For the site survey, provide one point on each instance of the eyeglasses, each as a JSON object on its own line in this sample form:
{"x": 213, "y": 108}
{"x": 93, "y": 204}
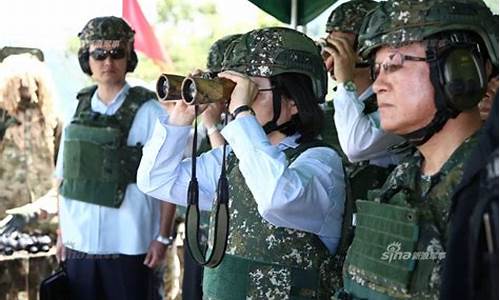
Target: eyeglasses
{"x": 392, "y": 63}
{"x": 266, "y": 89}
{"x": 102, "y": 54}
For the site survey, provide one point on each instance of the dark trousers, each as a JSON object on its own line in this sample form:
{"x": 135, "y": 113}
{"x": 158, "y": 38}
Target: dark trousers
{"x": 193, "y": 277}
{"x": 109, "y": 277}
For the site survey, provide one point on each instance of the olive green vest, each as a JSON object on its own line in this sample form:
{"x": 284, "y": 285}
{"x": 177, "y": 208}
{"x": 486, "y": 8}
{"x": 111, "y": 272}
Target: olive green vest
{"x": 98, "y": 164}
{"x": 359, "y": 178}
{"x": 263, "y": 261}
{"x": 401, "y": 232}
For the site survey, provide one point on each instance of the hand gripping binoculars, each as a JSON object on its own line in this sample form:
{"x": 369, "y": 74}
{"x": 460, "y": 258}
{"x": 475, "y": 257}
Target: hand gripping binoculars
{"x": 193, "y": 89}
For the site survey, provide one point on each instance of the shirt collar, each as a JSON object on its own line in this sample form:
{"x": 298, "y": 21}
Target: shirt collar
{"x": 289, "y": 142}
{"x": 114, "y": 105}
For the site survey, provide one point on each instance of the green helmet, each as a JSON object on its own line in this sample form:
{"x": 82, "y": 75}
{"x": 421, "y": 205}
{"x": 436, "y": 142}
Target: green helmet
{"x": 396, "y": 23}
{"x": 106, "y": 28}
{"x": 276, "y": 50}
{"x": 216, "y": 52}
{"x": 349, "y": 16}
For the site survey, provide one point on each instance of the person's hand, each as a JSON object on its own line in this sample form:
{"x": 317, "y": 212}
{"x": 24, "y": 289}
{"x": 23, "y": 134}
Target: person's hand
{"x": 212, "y": 114}
{"x": 342, "y": 60}
{"x": 244, "y": 92}
{"x": 60, "y": 250}
{"x": 184, "y": 114}
{"x": 155, "y": 255}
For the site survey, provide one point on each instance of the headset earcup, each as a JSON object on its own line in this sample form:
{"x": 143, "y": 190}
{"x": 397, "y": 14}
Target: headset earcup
{"x": 464, "y": 78}
{"x": 132, "y": 62}
{"x": 83, "y": 59}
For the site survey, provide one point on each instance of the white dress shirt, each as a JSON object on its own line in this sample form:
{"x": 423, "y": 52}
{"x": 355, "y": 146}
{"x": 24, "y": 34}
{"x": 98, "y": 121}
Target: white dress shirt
{"x": 99, "y": 229}
{"x": 306, "y": 195}
{"x": 360, "y": 135}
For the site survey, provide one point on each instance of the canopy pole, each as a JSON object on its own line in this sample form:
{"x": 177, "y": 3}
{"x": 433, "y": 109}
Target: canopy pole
{"x": 293, "y": 14}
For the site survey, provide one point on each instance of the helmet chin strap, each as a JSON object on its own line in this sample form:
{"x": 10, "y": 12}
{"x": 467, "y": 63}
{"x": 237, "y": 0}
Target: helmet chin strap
{"x": 443, "y": 112}
{"x": 272, "y": 125}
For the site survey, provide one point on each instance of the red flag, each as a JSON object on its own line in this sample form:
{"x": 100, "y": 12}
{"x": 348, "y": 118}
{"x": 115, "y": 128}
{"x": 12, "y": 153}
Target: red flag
{"x": 145, "y": 39}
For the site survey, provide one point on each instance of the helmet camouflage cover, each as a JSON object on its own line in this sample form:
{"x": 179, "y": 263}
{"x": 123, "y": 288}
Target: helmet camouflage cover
{"x": 216, "y": 52}
{"x": 349, "y": 16}
{"x": 276, "y": 50}
{"x": 106, "y": 28}
{"x": 396, "y": 23}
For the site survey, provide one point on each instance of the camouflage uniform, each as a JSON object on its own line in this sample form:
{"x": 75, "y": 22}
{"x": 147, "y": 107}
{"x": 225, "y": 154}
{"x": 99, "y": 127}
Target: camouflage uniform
{"x": 401, "y": 231}
{"x": 424, "y": 202}
{"x": 27, "y": 147}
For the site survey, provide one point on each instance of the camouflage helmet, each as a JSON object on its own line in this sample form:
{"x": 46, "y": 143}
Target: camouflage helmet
{"x": 216, "y": 52}
{"x": 396, "y": 23}
{"x": 276, "y": 50}
{"x": 106, "y": 28}
{"x": 349, "y": 16}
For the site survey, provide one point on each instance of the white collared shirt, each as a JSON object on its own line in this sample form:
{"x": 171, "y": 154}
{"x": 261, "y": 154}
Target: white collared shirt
{"x": 307, "y": 195}
{"x": 360, "y": 135}
{"x": 126, "y": 230}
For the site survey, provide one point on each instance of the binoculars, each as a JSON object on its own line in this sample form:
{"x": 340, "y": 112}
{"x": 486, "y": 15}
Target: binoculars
{"x": 193, "y": 89}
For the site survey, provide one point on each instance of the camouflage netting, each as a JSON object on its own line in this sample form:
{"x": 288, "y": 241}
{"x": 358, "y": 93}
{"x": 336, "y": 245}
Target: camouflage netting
{"x": 27, "y": 149}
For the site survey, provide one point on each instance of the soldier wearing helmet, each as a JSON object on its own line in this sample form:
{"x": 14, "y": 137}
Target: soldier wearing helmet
{"x": 356, "y": 117}
{"x": 431, "y": 62}
{"x": 106, "y": 224}
{"x": 286, "y": 189}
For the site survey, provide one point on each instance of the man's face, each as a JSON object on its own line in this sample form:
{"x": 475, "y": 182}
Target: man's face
{"x": 108, "y": 61}
{"x": 405, "y": 94}
{"x": 263, "y": 104}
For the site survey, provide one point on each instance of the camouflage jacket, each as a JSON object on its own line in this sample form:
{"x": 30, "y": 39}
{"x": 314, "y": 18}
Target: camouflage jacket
{"x": 425, "y": 200}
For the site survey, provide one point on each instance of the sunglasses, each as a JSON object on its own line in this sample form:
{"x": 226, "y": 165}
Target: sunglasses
{"x": 392, "y": 63}
{"x": 102, "y": 54}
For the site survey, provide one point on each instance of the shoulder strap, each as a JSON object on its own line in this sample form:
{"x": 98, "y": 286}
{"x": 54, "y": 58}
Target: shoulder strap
{"x": 293, "y": 153}
{"x": 84, "y": 96}
{"x": 136, "y": 97}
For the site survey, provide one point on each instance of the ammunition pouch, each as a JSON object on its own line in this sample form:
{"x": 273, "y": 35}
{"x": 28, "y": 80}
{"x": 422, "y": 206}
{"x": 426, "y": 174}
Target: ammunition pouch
{"x": 386, "y": 238}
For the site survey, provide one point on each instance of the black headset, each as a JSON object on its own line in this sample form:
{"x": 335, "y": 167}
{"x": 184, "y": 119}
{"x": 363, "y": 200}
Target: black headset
{"x": 462, "y": 75}
{"x": 83, "y": 59}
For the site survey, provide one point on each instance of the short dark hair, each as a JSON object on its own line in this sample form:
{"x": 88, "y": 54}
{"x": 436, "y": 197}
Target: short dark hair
{"x": 309, "y": 120}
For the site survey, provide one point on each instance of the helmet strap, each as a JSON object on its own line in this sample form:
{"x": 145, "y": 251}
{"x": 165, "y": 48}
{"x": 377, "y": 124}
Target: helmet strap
{"x": 272, "y": 125}
{"x": 443, "y": 112}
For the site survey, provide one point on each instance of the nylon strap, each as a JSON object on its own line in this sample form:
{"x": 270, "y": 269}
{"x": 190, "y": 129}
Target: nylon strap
{"x": 221, "y": 212}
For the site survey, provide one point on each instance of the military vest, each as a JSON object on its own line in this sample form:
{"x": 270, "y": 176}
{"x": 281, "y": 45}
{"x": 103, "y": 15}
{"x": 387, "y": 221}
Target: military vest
{"x": 263, "y": 261}
{"x": 98, "y": 164}
{"x": 401, "y": 231}
{"x": 26, "y": 157}
{"x": 359, "y": 177}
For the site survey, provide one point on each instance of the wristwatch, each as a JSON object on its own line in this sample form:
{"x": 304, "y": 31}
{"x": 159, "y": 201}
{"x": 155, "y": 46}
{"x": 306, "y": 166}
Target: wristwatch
{"x": 350, "y": 86}
{"x": 241, "y": 109}
{"x": 167, "y": 241}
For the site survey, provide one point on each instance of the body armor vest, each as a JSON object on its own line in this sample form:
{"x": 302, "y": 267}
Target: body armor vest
{"x": 98, "y": 164}
{"x": 263, "y": 260}
{"x": 401, "y": 232}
